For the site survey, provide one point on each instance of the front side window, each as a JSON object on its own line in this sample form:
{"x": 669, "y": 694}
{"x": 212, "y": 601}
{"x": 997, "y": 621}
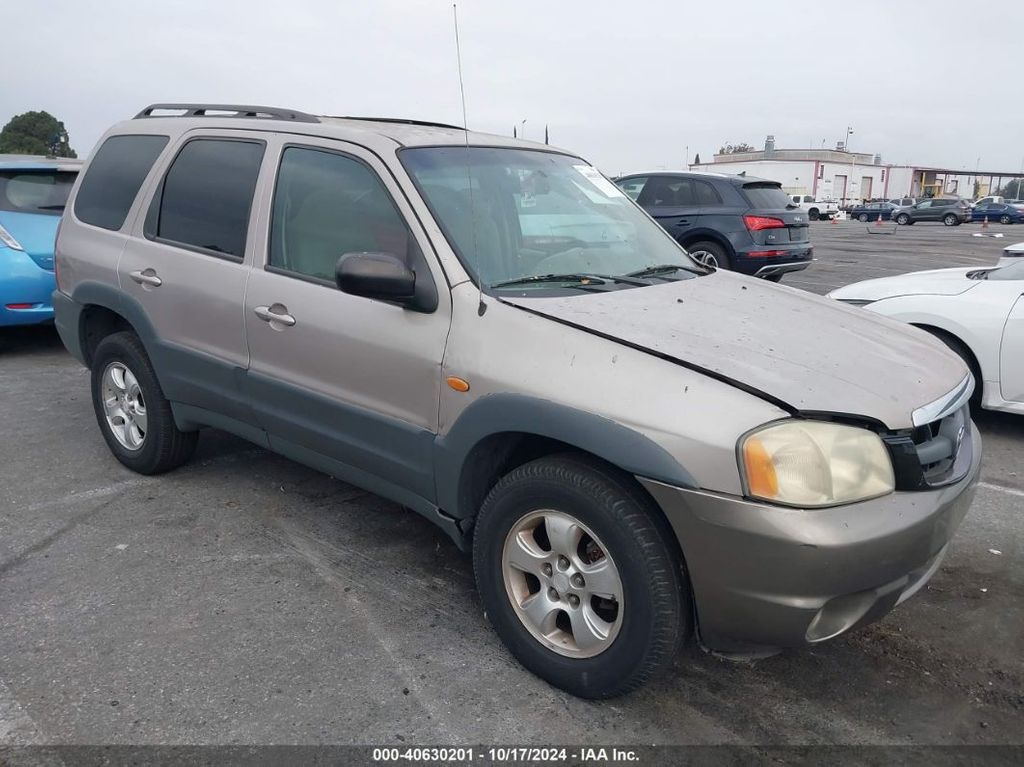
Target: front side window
{"x": 114, "y": 178}
{"x": 35, "y": 191}
{"x": 327, "y": 205}
{"x": 207, "y": 195}
{"x": 514, "y": 214}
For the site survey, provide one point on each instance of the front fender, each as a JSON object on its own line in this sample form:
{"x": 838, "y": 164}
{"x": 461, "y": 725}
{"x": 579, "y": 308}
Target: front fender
{"x": 495, "y": 414}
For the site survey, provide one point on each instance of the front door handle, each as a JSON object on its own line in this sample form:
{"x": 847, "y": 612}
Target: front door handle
{"x": 147, "y": 277}
{"x": 275, "y": 313}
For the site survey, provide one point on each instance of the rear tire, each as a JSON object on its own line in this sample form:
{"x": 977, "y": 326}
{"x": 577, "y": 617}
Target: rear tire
{"x": 132, "y": 411}
{"x": 710, "y": 254}
{"x": 903, "y": 219}
{"x": 950, "y": 220}
{"x": 534, "y": 613}
{"x": 863, "y": 217}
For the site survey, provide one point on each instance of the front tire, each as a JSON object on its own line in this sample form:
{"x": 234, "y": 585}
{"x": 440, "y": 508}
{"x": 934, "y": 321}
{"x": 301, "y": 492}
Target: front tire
{"x": 960, "y": 349}
{"x": 1005, "y": 220}
{"x": 863, "y": 217}
{"x": 903, "y": 219}
{"x": 133, "y": 414}
{"x": 813, "y": 214}
{"x": 580, "y": 577}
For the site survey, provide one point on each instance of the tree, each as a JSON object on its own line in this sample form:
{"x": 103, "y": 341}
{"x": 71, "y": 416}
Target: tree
{"x": 1012, "y": 190}
{"x": 734, "y": 148}
{"x": 696, "y": 160}
{"x": 36, "y": 133}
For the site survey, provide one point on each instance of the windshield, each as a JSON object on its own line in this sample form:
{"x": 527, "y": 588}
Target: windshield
{"x": 33, "y": 191}
{"x": 539, "y": 214}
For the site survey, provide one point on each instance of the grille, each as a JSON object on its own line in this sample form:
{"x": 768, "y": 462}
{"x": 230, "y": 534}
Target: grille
{"x": 934, "y": 454}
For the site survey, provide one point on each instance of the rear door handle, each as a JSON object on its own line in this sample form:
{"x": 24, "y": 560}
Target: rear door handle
{"x": 147, "y": 277}
{"x": 276, "y": 313}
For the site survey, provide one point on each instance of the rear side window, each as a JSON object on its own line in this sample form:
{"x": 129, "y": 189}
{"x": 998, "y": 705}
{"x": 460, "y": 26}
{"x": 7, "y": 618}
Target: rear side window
{"x": 705, "y": 194}
{"x": 114, "y": 177}
{"x": 207, "y": 195}
{"x": 769, "y": 196}
{"x": 35, "y": 191}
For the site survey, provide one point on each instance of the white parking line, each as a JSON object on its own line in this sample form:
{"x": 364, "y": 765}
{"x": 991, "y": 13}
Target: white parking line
{"x": 1001, "y": 489}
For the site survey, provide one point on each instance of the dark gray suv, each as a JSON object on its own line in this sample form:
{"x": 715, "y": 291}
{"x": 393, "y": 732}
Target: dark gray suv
{"x": 950, "y": 211}
{"x": 741, "y": 223}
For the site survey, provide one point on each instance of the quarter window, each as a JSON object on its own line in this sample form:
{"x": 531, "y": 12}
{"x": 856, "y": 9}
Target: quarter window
{"x": 114, "y": 178}
{"x": 327, "y": 205}
{"x": 632, "y": 186}
{"x": 207, "y": 195}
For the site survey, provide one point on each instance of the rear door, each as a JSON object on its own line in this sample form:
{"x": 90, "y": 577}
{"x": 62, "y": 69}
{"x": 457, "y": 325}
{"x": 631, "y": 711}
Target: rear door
{"x": 188, "y": 264}
{"x": 767, "y": 199}
{"x": 672, "y": 201}
{"x": 924, "y": 211}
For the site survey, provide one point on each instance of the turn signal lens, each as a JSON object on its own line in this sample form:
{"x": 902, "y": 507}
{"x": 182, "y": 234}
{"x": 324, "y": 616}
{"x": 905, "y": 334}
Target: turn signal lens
{"x": 459, "y": 384}
{"x": 815, "y": 464}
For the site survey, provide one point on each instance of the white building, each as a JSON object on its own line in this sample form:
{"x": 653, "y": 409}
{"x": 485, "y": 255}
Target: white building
{"x": 835, "y": 174}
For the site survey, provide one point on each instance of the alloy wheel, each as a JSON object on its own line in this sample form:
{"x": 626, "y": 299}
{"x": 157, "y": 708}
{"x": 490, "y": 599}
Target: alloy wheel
{"x": 704, "y": 257}
{"x": 563, "y": 584}
{"x": 124, "y": 406}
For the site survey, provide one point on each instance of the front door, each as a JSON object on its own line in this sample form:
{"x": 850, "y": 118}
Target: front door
{"x": 345, "y": 383}
{"x": 188, "y": 272}
{"x": 1011, "y": 353}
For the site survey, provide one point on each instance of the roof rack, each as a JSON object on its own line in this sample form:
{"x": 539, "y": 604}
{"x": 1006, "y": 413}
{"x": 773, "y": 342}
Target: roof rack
{"x": 397, "y": 120}
{"x": 227, "y": 110}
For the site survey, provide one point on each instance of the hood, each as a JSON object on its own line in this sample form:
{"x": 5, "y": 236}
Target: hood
{"x": 34, "y": 232}
{"x": 801, "y": 351}
{"x": 937, "y": 282}
{"x": 1012, "y": 254}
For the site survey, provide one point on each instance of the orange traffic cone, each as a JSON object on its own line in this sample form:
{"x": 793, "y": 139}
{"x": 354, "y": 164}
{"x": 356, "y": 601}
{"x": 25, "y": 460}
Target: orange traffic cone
{"x": 984, "y": 224}
{"x": 834, "y": 219}
{"x": 878, "y": 221}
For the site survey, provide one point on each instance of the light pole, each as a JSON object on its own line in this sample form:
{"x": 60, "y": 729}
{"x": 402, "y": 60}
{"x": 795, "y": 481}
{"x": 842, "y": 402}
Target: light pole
{"x": 846, "y": 144}
{"x": 522, "y": 129}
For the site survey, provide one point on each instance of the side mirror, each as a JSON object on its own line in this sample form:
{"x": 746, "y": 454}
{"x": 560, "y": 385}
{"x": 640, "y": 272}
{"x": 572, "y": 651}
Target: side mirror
{"x": 375, "y": 275}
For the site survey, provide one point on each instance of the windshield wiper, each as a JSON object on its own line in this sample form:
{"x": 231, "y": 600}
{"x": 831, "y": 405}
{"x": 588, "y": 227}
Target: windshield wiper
{"x": 657, "y": 269}
{"x": 581, "y": 279}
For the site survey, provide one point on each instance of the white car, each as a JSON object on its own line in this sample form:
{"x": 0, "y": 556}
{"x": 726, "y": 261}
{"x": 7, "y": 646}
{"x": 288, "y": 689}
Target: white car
{"x": 976, "y": 312}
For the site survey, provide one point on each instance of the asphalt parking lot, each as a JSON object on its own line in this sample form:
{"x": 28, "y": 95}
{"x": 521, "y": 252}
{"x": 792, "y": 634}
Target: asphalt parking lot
{"x": 247, "y": 599}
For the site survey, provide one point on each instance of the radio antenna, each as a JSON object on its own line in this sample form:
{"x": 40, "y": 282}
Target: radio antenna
{"x": 482, "y": 307}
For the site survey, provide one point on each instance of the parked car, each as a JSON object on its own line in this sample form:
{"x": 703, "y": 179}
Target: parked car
{"x": 741, "y": 223}
{"x": 873, "y": 211}
{"x": 949, "y": 211}
{"x": 978, "y": 313}
{"x": 990, "y": 199}
{"x": 633, "y": 446}
{"x": 815, "y": 209}
{"x": 1012, "y": 254}
{"x": 1004, "y": 213}
{"x": 33, "y": 191}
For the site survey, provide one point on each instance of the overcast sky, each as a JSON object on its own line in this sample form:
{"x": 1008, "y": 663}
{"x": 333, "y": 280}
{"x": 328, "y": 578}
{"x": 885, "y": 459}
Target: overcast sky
{"x": 629, "y": 84}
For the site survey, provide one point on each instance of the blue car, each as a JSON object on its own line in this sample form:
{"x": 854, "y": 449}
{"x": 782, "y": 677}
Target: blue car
{"x": 997, "y": 212}
{"x": 33, "y": 192}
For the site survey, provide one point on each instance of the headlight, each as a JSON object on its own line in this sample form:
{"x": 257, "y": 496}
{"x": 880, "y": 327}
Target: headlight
{"x": 815, "y": 463}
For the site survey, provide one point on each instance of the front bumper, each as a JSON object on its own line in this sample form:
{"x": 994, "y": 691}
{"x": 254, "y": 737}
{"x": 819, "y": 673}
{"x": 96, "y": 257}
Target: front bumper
{"x": 766, "y": 577}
